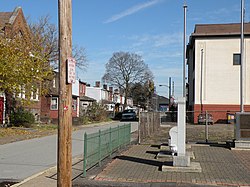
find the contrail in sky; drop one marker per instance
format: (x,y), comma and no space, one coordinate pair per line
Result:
(132,10)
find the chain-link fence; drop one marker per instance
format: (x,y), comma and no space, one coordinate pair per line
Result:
(201,117)
(213,125)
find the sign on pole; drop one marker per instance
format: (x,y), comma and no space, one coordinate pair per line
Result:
(71,70)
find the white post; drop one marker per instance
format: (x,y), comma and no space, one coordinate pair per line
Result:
(181,160)
(181,142)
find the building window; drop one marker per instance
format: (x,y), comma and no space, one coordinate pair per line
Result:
(81,88)
(54,103)
(54,83)
(34,95)
(74,104)
(236,59)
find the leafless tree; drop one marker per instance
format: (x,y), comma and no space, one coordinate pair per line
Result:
(125,68)
(45,34)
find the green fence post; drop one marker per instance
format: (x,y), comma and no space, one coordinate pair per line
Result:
(99,147)
(110,142)
(118,137)
(85,155)
(129,131)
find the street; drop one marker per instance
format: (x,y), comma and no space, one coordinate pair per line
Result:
(22,159)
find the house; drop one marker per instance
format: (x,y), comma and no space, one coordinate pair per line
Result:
(163,103)
(12,24)
(49,103)
(102,95)
(213,58)
(85,101)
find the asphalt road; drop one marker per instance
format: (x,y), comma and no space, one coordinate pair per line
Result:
(22,159)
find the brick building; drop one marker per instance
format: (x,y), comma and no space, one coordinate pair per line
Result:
(12,24)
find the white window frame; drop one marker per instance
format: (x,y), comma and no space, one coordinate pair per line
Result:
(56,104)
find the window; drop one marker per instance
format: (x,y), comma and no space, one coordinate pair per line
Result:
(54,83)
(74,104)
(236,59)
(81,88)
(54,103)
(34,94)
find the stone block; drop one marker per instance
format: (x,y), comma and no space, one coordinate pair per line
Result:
(183,161)
(193,168)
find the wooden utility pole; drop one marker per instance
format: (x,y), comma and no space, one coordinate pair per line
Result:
(64,157)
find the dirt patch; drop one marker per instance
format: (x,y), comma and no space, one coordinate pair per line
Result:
(195,133)
(13,134)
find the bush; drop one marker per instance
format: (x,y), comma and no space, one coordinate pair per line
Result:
(21,117)
(94,113)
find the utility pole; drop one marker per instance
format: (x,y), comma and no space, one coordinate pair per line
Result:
(169,89)
(242,64)
(184,50)
(64,157)
(201,83)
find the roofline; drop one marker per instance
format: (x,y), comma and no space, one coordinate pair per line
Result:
(214,35)
(14,15)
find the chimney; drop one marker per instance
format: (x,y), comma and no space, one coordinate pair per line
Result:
(105,87)
(97,84)
(111,89)
(111,93)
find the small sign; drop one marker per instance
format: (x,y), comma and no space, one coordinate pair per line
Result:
(71,70)
(65,108)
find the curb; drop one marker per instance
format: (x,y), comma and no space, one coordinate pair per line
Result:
(33,176)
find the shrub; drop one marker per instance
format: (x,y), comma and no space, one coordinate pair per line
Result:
(21,117)
(94,113)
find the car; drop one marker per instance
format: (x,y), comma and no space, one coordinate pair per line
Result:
(128,115)
(202,119)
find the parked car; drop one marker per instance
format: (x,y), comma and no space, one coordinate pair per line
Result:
(202,119)
(128,115)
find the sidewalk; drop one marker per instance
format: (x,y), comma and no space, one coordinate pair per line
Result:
(138,166)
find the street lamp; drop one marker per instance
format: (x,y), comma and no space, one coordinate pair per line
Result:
(169,87)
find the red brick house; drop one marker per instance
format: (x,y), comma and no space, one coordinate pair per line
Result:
(49,103)
(12,24)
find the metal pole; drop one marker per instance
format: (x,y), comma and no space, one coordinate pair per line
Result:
(242,64)
(64,162)
(206,128)
(184,51)
(201,80)
(169,89)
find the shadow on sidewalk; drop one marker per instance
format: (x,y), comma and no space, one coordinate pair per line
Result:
(145,161)
(215,144)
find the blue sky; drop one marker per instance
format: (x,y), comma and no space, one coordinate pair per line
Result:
(151,28)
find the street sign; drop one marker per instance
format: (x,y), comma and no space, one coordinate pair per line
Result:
(71,70)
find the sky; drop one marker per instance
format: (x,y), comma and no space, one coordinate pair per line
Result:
(150,28)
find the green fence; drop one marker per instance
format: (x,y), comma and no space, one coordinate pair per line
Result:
(98,146)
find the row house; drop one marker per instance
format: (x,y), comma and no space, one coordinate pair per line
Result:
(102,95)
(11,24)
(213,57)
(85,101)
(49,103)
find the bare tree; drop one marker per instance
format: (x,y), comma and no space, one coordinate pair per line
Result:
(45,34)
(125,68)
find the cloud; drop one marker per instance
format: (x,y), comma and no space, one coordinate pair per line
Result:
(132,10)
(157,40)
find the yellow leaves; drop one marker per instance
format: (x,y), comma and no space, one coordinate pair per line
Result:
(4,132)
(21,64)
(12,134)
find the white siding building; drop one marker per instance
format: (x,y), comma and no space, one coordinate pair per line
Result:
(213,55)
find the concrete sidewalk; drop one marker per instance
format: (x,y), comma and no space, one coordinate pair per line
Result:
(138,166)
